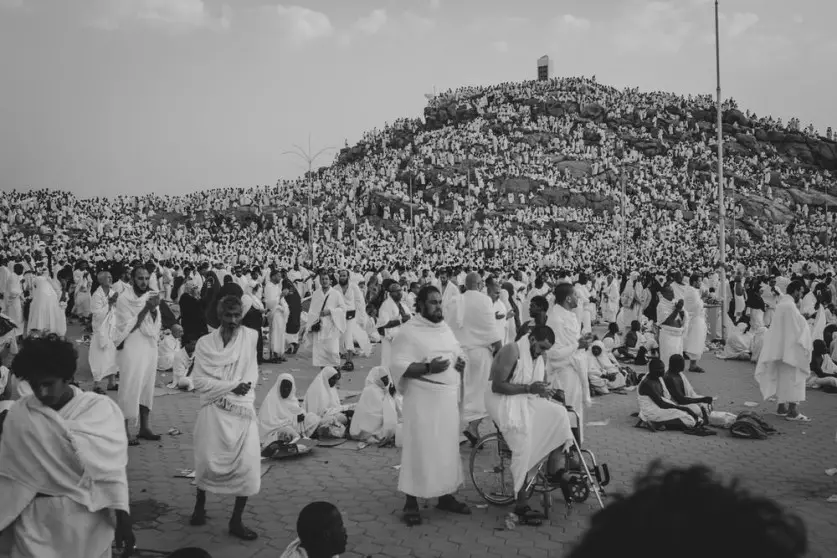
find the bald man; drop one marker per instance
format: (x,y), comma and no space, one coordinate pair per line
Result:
(480,339)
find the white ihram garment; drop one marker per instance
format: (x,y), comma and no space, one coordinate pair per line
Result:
(567,364)
(650,412)
(376,413)
(478,332)
(45,312)
(277,317)
(137,360)
(102,352)
(784,363)
(13,301)
(694,338)
(227,459)
(532,426)
(389,311)
(326,341)
(62,475)
(671,338)
(279,416)
(353,298)
(167,351)
(430,462)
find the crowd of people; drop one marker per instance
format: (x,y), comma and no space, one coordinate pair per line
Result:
(483,297)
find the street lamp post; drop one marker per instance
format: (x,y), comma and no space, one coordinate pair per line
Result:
(309,159)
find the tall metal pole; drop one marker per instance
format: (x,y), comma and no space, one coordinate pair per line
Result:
(624,220)
(309,159)
(412,226)
(722,240)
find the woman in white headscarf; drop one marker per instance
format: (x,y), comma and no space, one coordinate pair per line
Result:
(376,414)
(323,400)
(281,417)
(603,370)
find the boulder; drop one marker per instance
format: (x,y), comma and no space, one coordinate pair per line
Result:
(735,116)
(576,168)
(594,111)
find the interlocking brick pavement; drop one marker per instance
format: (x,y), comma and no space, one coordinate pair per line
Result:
(789,467)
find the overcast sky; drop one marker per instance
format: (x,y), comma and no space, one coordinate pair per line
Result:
(102,97)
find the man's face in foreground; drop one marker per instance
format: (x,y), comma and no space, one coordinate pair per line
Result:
(431,310)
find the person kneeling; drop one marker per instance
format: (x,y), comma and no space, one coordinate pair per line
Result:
(520,402)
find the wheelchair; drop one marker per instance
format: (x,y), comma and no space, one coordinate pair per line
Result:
(490,469)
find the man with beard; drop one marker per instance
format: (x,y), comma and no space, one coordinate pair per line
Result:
(326,323)
(391,316)
(102,355)
(672,317)
(421,368)
(226,431)
(784,363)
(450,296)
(566,361)
(353,298)
(136,335)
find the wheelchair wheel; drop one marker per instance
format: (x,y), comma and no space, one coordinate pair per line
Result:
(490,466)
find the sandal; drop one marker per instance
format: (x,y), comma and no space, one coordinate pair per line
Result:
(412,517)
(798,418)
(697,370)
(348,367)
(528,516)
(151,437)
(471,438)
(133,442)
(450,504)
(99,390)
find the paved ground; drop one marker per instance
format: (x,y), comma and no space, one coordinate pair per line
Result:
(362,483)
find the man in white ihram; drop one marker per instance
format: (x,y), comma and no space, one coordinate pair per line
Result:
(784,362)
(480,339)
(566,361)
(520,401)
(227,459)
(422,370)
(102,354)
(136,336)
(326,323)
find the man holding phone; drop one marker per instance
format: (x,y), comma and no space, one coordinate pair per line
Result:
(136,336)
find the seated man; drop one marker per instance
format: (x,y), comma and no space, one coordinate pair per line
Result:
(638,344)
(824,371)
(184,362)
(656,407)
(320,532)
(739,341)
(615,335)
(681,389)
(603,371)
(520,402)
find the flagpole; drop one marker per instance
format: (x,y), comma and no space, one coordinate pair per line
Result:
(722,240)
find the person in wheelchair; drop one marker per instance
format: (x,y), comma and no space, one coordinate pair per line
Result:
(521,404)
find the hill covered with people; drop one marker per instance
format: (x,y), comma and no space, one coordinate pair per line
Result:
(524,174)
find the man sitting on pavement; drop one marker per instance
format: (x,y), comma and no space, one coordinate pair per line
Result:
(520,402)
(681,389)
(657,410)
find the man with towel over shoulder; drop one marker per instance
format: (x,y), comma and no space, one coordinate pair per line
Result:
(227,457)
(426,367)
